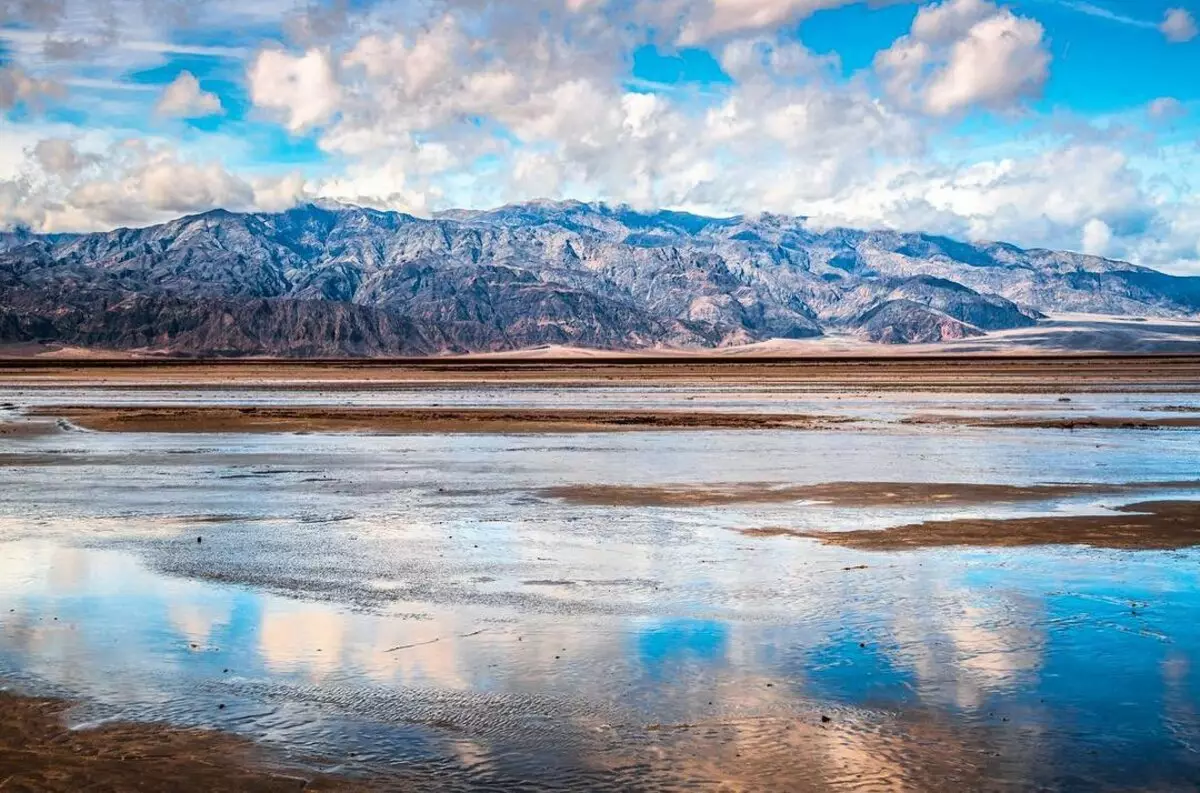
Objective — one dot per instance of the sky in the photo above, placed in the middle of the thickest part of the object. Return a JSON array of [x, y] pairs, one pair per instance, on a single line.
[[1070, 124]]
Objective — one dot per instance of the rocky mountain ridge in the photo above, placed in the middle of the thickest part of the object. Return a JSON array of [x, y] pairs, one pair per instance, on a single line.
[[339, 280]]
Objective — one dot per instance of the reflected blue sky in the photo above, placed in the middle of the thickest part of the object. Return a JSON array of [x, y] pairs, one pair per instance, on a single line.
[[1099, 664]]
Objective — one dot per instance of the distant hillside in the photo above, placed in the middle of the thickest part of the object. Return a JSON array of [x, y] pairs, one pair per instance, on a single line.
[[335, 280]]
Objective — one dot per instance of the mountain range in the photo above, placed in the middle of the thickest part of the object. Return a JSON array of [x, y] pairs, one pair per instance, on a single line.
[[333, 280]]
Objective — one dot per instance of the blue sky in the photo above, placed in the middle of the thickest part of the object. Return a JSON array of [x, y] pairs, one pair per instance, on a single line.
[[1057, 123]]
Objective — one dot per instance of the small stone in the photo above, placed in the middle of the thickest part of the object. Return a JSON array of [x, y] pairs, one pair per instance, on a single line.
[[825, 719]]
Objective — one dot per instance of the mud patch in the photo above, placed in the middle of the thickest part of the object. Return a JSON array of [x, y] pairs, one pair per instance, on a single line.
[[848, 494], [213, 419], [1091, 423], [38, 752], [1151, 525]]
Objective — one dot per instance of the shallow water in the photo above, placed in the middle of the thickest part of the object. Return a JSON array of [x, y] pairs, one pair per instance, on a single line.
[[784, 398], [416, 604]]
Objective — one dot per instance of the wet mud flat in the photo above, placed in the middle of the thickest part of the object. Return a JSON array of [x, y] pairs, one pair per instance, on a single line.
[[39, 752], [1082, 423], [500, 596], [848, 494], [1154, 525], [427, 420]]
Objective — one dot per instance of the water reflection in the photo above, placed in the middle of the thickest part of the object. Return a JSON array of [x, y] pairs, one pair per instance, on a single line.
[[1079, 666]]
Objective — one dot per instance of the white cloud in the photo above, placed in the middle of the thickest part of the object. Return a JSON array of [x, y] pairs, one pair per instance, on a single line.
[[1178, 25], [999, 61], [1045, 199], [1097, 237], [704, 20], [946, 22], [301, 89], [184, 98], [965, 53], [156, 183], [720, 17], [86, 185], [279, 193]]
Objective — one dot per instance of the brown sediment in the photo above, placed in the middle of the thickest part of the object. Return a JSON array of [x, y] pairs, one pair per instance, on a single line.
[[771, 531], [956, 373], [28, 429], [847, 494], [1096, 422], [1150, 525], [39, 753], [408, 420], [223, 518]]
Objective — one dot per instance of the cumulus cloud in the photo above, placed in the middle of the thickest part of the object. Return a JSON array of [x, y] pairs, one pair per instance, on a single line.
[[157, 183], [1045, 199], [715, 18], [1178, 25], [302, 90], [67, 186], [276, 193], [964, 53], [1097, 237], [184, 98]]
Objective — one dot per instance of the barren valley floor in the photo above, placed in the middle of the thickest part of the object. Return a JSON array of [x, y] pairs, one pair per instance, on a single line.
[[834, 574]]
